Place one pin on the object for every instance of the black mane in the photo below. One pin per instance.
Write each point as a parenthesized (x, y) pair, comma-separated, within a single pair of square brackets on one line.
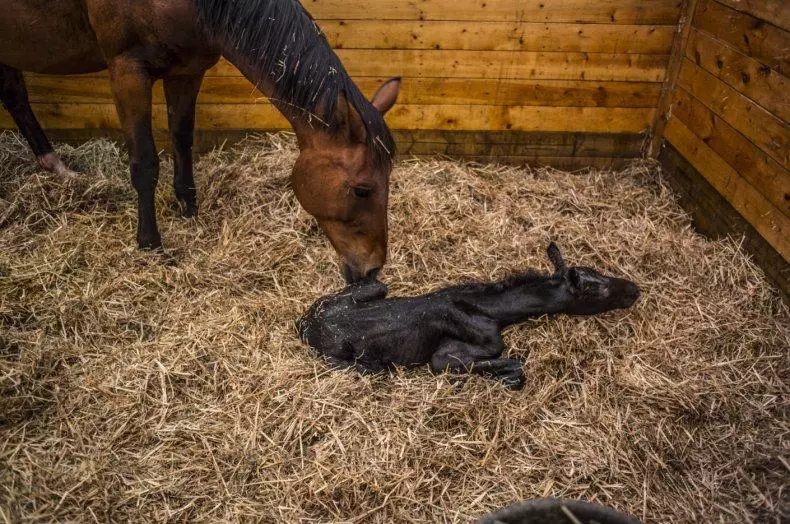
[(289, 52), (525, 279)]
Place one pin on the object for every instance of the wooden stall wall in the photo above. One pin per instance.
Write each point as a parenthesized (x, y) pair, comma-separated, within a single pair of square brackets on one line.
[(569, 83), (728, 125)]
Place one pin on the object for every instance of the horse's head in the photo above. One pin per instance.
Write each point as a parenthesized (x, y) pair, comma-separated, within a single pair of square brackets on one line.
[(590, 291), (337, 180)]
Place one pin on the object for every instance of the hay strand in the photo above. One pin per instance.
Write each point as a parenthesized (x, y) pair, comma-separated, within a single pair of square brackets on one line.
[(134, 390)]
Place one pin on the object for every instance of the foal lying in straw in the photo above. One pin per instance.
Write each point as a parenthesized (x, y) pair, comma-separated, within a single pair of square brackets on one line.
[(457, 329)]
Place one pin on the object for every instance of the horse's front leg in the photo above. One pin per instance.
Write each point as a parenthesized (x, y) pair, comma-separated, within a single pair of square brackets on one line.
[(181, 93), (13, 95), (131, 88)]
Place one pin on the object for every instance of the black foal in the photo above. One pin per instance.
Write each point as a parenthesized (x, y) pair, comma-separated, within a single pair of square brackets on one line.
[(457, 329)]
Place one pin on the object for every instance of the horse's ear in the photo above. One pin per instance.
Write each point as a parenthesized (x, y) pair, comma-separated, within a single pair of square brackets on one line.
[(386, 95), (556, 258), (355, 126)]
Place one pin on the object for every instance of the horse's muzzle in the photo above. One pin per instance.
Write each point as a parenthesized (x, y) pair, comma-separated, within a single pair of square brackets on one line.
[(352, 275)]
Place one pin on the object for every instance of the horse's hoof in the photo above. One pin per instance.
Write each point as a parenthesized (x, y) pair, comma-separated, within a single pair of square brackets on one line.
[(150, 244), (52, 163), (167, 259), (189, 211), (185, 208)]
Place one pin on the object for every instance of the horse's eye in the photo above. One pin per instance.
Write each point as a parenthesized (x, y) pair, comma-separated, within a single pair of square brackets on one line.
[(362, 192)]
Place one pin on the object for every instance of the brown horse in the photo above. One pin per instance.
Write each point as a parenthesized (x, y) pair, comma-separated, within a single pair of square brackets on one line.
[(342, 174)]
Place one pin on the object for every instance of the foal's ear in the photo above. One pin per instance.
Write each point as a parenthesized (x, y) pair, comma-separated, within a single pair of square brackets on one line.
[(386, 96), (556, 258)]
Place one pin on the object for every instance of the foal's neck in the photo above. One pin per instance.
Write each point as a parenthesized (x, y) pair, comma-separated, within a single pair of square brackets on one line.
[(517, 298)]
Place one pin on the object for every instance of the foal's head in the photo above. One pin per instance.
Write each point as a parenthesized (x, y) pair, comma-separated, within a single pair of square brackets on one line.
[(592, 292), (341, 181)]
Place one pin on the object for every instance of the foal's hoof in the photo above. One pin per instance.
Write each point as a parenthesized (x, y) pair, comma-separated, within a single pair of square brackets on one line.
[(509, 371), (515, 381)]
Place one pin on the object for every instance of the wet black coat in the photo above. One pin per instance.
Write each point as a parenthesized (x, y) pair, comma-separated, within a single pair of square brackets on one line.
[(456, 329)]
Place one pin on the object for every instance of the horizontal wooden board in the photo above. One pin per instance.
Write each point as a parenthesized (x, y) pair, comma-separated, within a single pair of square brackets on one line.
[(493, 65), (764, 85), (539, 144), (498, 36), (758, 125), (265, 116), (662, 12), (775, 12), (536, 144), (773, 225), (759, 169), (518, 118), (571, 163), (568, 151), (237, 90), (754, 37)]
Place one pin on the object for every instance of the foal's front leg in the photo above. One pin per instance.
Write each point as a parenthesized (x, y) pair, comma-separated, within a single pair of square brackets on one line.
[(459, 357), (131, 88), (181, 93)]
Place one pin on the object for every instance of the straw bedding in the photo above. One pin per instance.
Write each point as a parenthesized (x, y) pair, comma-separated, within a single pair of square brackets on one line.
[(134, 389)]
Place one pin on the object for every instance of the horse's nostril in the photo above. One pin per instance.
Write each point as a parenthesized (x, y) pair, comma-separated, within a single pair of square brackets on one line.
[(350, 274), (373, 273)]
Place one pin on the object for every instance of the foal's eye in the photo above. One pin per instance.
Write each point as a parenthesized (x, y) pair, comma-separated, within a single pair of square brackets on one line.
[(362, 192)]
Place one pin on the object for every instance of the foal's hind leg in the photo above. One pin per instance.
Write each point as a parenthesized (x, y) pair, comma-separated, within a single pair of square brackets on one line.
[(13, 94), (181, 93), (131, 88), (461, 357)]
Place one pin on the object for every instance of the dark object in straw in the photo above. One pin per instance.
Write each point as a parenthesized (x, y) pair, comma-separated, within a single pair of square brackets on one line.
[(457, 329), (556, 511)]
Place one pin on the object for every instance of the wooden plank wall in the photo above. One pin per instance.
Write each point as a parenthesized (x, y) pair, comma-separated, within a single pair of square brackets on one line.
[(729, 113), (562, 82)]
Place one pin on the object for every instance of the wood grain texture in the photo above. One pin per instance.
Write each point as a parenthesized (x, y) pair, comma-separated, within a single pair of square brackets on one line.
[(531, 66), (420, 91), (494, 65), (687, 10), (759, 169), (659, 12), (534, 144), (498, 36), (567, 151), (501, 65), (768, 132), (776, 12), (773, 225), (265, 116), (762, 84), (753, 36)]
